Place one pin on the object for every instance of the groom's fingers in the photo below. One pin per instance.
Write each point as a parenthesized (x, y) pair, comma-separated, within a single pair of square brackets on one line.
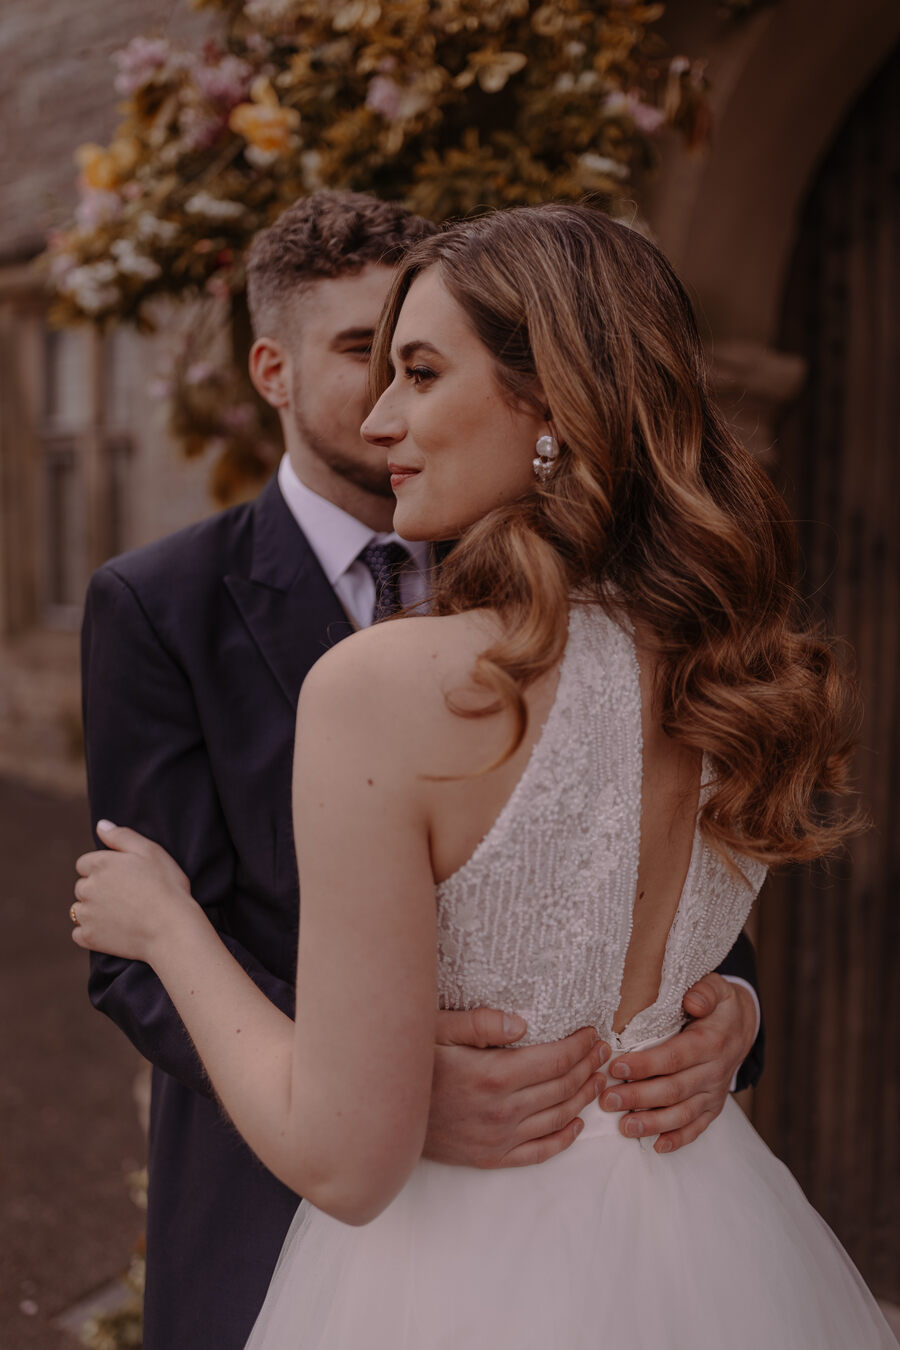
[(544, 1066), (669, 1141), (554, 1120), (539, 1150), (549, 1095), (480, 1027), (661, 1092), (670, 1120), (699, 1043)]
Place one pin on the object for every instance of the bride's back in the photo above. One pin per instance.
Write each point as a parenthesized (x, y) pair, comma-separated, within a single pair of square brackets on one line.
[(544, 861)]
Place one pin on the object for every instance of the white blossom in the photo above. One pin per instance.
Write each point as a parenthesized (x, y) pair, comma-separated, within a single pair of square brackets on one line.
[(90, 286), (133, 264), (152, 230), (602, 164), (213, 208)]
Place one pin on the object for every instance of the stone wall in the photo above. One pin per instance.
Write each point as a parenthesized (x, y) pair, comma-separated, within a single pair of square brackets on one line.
[(56, 91)]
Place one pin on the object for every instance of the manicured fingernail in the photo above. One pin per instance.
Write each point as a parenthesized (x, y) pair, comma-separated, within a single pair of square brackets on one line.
[(613, 1102), (579, 1126), (664, 1146), (633, 1128), (104, 825), (620, 1070), (512, 1025)]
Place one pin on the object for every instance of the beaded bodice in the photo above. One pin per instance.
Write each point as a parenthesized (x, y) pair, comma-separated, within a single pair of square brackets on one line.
[(538, 920)]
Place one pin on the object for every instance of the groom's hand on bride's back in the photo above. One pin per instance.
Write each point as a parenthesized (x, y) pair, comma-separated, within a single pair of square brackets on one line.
[(494, 1108), (491, 1108), (676, 1089)]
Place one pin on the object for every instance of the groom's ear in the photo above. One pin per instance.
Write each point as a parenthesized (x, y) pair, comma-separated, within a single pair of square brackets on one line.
[(270, 371)]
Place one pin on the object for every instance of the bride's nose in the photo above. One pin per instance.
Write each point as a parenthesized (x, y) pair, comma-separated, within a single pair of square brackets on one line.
[(383, 426)]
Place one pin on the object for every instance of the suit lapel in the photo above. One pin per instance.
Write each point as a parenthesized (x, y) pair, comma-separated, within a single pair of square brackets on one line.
[(290, 610)]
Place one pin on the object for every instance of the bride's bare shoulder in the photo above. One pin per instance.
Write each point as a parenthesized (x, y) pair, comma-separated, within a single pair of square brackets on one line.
[(411, 659)]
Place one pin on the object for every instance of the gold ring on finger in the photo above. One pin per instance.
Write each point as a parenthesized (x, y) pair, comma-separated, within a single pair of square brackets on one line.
[(74, 917)]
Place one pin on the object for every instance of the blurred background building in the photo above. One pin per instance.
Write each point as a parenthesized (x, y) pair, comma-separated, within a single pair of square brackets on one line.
[(786, 228)]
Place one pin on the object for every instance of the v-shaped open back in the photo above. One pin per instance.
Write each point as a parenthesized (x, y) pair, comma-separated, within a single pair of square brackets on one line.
[(667, 839), (539, 919)]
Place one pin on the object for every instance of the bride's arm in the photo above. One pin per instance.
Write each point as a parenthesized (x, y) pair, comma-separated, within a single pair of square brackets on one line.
[(336, 1105)]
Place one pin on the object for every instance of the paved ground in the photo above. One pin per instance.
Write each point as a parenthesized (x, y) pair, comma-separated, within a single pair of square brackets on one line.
[(69, 1132)]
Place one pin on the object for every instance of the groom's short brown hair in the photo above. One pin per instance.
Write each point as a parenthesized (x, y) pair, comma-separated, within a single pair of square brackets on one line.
[(327, 234)]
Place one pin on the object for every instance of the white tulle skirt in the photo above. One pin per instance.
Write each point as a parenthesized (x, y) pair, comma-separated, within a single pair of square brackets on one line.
[(608, 1245)]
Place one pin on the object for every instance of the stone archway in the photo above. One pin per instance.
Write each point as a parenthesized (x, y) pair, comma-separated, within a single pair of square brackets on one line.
[(783, 81)]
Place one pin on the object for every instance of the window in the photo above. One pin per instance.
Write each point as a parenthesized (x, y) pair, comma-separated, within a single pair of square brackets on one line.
[(85, 452)]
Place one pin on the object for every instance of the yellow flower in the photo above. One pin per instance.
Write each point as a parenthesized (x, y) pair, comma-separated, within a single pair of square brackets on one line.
[(98, 167), (125, 152), (548, 20), (356, 13), (491, 69), (264, 123)]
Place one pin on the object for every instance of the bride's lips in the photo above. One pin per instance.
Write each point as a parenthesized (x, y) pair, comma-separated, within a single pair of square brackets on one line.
[(401, 473)]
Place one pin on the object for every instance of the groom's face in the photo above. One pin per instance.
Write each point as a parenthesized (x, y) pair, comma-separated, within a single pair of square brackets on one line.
[(328, 351)]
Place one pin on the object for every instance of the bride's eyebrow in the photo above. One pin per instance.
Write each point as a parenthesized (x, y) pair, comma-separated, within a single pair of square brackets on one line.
[(406, 351)]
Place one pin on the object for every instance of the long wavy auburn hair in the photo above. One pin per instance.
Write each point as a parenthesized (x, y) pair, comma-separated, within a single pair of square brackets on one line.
[(654, 508)]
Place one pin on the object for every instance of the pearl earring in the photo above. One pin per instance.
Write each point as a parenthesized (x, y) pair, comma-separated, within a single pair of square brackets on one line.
[(544, 462)]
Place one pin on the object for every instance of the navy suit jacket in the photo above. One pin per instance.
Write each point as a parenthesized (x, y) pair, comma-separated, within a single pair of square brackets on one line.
[(194, 650)]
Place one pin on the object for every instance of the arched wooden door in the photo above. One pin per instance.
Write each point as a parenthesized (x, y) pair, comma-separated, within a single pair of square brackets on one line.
[(829, 939)]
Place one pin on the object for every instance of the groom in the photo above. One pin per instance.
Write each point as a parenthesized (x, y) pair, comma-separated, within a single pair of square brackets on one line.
[(194, 651)]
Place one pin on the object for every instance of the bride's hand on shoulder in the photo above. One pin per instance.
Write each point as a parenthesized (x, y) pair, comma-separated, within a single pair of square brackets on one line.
[(129, 896)]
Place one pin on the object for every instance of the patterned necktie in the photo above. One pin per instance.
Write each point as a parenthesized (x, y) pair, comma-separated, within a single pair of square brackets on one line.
[(385, 562)]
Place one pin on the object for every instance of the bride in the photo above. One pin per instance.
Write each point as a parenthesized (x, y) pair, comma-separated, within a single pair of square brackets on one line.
[(556, 794)]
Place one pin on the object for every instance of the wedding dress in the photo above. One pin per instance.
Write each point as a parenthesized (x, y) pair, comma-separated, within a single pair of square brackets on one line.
[(608, 1244)]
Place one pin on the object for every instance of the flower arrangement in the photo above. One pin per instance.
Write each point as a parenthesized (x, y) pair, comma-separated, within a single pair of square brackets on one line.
[(447, 105)]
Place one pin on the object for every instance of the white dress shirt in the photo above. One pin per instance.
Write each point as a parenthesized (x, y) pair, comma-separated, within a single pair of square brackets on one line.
[(337, 539)]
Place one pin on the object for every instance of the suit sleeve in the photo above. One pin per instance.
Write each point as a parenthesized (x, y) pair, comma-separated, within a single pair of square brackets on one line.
[(741, 963), (148, 768)]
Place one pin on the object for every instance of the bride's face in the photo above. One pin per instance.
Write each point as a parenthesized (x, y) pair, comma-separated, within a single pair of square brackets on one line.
[(454, 446)]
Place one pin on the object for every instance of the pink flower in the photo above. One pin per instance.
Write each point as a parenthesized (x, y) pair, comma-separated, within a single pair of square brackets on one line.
[(225, 81), (97, 207), (199, 129), (395, 102), (384, 96), (139, 62), (646, 118)]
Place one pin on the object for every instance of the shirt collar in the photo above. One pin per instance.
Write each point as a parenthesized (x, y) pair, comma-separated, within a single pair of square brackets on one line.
[(336, 537)]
